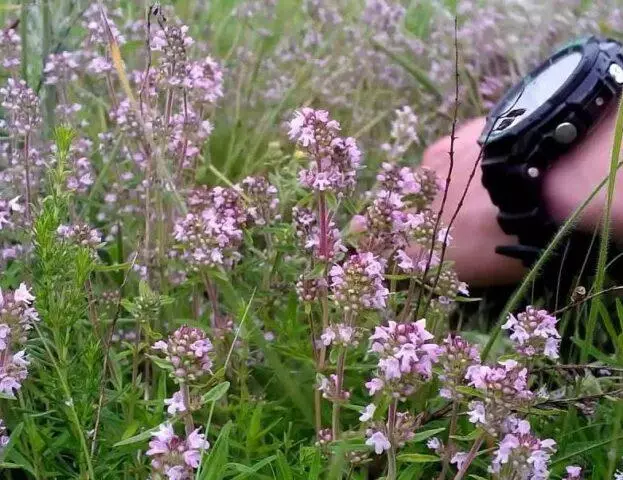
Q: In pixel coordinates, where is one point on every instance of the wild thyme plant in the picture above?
(206, 275)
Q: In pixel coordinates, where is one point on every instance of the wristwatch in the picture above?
(540, 118)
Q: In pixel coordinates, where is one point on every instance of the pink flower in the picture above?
(175, 403)
(174, 456)
(528, 455)
(368, 413)
(22, 294)
(187, 351)
(459, 459)
(534, 333)
(573, 472)
(375, 385)
(379, 441)
(161, 439)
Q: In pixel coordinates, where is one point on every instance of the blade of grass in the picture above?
(605, 230)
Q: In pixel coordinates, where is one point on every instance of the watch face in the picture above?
(536, 91)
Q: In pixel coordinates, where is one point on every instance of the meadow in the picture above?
(220, 258)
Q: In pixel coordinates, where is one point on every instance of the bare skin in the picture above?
(476, 232)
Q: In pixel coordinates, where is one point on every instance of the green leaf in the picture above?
(246, 471)
(141, 437)
(473, 435)
(284, 470)
(314, 460)
(12, 440)
(216, 459)
(417, 458)
(419, 436)
(215, 393)
(112, 268)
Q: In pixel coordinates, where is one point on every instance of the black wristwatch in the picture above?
(540, 118)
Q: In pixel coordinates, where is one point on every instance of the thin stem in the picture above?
(339, 373)
(602, 258)
(324, 226)
(391, 453)
(92, 312)
(213, 296)
(585, 299)
(450, 443)
(189, 424)
(27, 165)
(107, 345)
(322, 358)
(406, 310)
(470, 457)
(450, 170)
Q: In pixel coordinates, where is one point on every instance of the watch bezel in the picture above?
(589, 49)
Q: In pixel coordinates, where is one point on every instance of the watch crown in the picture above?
(565, 132)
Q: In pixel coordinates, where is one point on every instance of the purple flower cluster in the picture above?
(16, 319)
(505, 388)
(211, 233)
(334, 160)
(62, 68)
(10, 49)
(202, 79)
(573, 472)
(187, 133)
(406, 358)
(80, 234)
(341, 335)
(332, 390)
(403, 133)
(456, 356)
(174, 457)
(521, 455)
(379, 438)
(533, 332)
(209, 238)
(21, 106)
(399, 217)
(262, 199)
(307, 230)
(357, 284)
(8, 211)
(188, 354)
(99, 21)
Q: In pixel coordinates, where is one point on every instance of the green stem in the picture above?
(605, 230)
(23, 30)
(470, 457)
(70, 404)
(335, 419)
(391, 453)
(46, 50)
(188, 416)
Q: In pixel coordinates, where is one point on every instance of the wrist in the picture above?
(574, 176)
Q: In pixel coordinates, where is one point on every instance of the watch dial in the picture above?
(537, 91)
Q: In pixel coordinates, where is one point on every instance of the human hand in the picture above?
(475, 231)
(567, 184)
